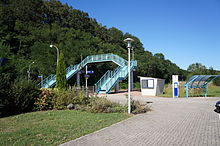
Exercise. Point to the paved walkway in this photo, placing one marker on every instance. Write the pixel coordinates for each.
(172, 122)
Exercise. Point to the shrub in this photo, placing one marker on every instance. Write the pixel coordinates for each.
(137, 107)
(101, 104)
(19, 97)
(24, 93)
(45, 100)
(217, 81)
(62, 98)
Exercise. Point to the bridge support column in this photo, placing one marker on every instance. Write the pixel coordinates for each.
(117, 87)
(78, 79)
(187, 91)
(132, 80)
(205, 92)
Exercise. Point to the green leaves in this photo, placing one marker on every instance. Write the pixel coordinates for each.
(28, 27)
(61, 73)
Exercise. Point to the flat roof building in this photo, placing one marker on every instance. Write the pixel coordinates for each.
(151, 86)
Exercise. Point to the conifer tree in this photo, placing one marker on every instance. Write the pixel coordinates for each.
(61, 73)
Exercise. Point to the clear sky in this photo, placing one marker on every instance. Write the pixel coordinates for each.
(185, 31)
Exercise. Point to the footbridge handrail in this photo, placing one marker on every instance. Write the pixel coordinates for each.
(72, 69)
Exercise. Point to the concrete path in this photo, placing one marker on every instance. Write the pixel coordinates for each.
(172, 122)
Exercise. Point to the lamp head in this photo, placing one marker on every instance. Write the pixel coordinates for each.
(128, 40)
(51, 46)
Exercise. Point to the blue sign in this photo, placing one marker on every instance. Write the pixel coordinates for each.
(82, 71)
(90, 71)
(86, 76)
(176, 89)
(40, 76)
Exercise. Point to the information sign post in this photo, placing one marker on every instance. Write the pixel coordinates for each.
(175, 86)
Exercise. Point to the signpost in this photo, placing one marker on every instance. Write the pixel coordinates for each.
(175, 86)
(41, 80)
(86, 76)
(90, 72)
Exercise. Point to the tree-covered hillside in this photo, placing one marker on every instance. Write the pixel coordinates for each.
(28, 27)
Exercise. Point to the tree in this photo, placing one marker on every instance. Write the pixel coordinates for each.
(61, 73)
(159, 56)
(28, 27)
(196, 66)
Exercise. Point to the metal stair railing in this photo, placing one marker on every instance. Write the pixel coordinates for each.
(121, 74)
(71, 70)
(47, 80)
(105, 78)
(104, 57)
(102, 80)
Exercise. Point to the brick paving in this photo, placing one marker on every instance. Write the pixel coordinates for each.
(188, 122)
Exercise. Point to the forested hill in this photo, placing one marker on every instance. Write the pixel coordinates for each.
(28, 27)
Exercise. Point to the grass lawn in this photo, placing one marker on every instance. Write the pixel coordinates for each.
(212, 91)
(53, 127)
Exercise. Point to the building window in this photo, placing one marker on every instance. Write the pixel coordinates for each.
(149, 84)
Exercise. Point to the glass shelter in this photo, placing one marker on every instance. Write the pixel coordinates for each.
(199, 81)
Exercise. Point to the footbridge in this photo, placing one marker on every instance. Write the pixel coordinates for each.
(107, 81)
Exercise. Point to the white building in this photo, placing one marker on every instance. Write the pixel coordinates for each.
(151, 86)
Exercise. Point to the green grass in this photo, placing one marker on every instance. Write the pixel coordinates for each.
(212, 91)
(53, 127)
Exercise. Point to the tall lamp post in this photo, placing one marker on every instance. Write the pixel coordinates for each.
(129, 40)
(51, 46)
(29, 70)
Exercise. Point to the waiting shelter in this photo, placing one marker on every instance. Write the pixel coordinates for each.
(151, 86)
(199, 81)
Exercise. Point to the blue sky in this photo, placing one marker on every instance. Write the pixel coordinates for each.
(185, 31)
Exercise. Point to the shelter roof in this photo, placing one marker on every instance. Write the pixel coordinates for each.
(200, 81)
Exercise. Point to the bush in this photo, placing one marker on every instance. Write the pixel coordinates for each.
(217, 81)
(103, 105)
(45, 100)
(24, 94)
(5, 99)
(63, 98)
(19, 97)
(137, 107)
(59, 99)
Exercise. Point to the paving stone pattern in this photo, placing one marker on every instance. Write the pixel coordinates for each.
(173, 122)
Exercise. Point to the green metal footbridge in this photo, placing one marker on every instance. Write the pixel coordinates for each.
(107, 81)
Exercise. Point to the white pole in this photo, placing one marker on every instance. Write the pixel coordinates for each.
(42, 81)
(29, 71)
(86, 77)
(57, 52)
(129, 40)
(129, 80)
(86, 81)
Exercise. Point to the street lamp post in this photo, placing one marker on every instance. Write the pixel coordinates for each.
(29, 71)
(57, 52)
(129, 40)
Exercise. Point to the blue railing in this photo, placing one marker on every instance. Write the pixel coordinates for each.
(50, 81)
(105, 78)
(107, 82)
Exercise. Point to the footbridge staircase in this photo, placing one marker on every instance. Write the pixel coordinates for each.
(107, 81)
